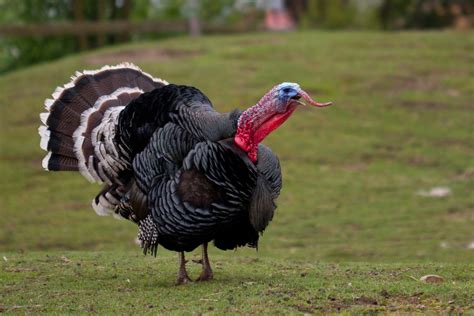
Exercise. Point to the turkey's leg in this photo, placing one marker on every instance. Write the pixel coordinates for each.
(206, 273)
(183, 277)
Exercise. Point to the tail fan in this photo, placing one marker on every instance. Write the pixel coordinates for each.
(79, 125)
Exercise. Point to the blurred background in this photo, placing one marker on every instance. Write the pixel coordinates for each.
(386, 174)
(37, 30)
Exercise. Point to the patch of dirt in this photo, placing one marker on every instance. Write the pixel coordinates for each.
(384, 293)
(457, 215)
(304, 308)
(365, 300)
(416, 302)
(336, 304)
(464, 176)
(137, 55)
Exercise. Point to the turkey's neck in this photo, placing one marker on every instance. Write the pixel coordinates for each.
(256, 123)
(244, 138)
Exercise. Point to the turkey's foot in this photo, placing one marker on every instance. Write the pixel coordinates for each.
(183, 277)
(206, 273)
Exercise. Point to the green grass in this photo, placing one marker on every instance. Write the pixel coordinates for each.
(127, 283)
(349, 211)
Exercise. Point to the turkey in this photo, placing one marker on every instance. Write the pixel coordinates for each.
(183, 172)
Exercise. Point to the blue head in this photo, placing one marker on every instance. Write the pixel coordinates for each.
(287, 90)
(284, 94)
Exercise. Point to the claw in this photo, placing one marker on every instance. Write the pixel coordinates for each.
(183, 280)
(206, 275)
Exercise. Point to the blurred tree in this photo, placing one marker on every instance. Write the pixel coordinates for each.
(324, 14)
(19, 52)
(400, 14)
(24, 51)
(330, 14)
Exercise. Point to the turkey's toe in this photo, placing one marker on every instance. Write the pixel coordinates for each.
(183, 280)
(206, 275)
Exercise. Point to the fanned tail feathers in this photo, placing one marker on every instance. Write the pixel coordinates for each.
(79, 127)
(79, 123)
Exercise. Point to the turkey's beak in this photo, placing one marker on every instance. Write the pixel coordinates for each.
(302, 94)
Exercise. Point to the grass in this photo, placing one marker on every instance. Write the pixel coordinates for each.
(349, 211)
(125, 283)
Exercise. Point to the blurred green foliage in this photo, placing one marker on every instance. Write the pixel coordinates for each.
(18, 52)
(333, 14)
(321, 14)
(420, 14)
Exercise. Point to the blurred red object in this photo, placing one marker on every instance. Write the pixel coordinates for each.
(279, 20)
(277, 17)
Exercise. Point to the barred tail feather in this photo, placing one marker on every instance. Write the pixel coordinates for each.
(79, 125)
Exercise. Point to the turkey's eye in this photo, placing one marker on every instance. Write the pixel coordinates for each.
(287, 90)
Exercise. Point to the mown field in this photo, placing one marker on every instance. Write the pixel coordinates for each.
(352, 231)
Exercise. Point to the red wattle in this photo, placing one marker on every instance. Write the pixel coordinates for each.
(248, 137)
(242, 142)
(271, 124)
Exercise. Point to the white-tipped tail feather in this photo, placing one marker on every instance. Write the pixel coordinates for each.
(45, 161)
(44, 117)
(45, 134)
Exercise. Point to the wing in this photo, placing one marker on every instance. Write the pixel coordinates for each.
(159, 128)
(267, 188)
(184, 106)
(163, 155)
(153, 118)
(269, 167)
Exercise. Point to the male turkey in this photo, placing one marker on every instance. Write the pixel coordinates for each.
(186, 174)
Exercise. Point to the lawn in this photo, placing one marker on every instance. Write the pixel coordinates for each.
(352, 231)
